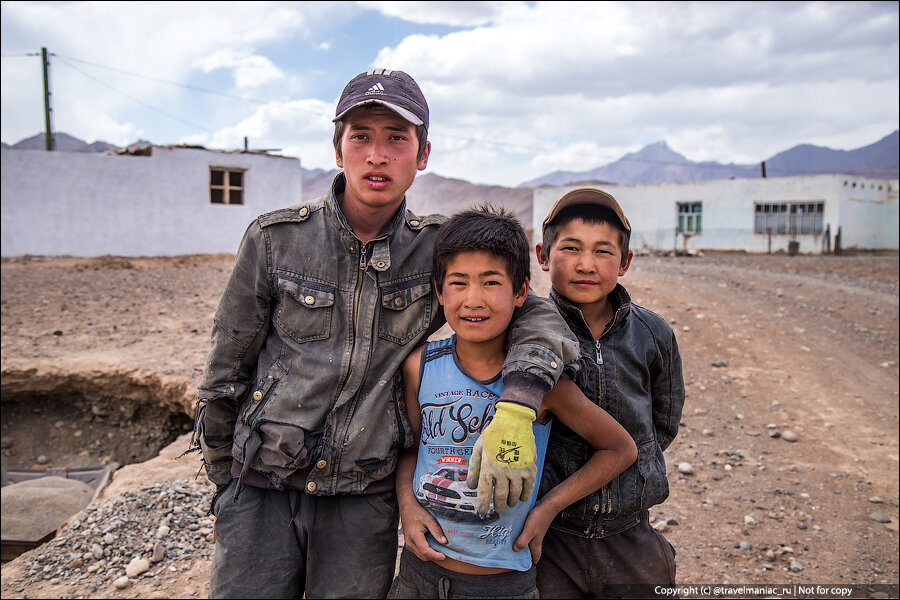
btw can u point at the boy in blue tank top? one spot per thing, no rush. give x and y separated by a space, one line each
454 545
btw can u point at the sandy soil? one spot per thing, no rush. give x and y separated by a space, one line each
771 345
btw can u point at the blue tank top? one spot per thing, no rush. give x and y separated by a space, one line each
455 408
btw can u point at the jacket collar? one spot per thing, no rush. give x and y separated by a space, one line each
336 215
618 297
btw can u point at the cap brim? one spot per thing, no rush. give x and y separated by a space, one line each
397 109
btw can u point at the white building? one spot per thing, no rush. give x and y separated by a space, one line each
167 202
756 215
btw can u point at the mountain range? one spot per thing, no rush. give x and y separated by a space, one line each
655 163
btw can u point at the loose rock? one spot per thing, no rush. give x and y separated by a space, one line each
879 517
137 566
789 436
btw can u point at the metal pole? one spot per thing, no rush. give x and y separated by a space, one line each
48 128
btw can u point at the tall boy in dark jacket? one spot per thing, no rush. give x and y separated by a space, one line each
631 367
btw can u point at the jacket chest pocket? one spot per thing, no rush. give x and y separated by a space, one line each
405 310
304 309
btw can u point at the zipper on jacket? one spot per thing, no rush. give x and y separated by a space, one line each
599 353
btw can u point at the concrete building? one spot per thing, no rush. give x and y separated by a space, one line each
163 201
755 215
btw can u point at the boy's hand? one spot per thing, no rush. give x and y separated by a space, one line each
503 465
534 531
416 523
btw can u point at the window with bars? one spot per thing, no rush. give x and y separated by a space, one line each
226 186
794 218
690 217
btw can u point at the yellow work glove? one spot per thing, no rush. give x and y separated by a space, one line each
503 466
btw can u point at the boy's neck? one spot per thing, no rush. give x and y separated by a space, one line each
597 315
481 360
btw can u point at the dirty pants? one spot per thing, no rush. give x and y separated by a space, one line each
630 564
420 579
282 544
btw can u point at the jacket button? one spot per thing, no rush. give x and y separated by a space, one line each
398 301
552 364
321 464
380 264
257 395
309 300
414 223
311 486
304 211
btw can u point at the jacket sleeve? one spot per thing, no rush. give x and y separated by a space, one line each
238 333
540 346
667 389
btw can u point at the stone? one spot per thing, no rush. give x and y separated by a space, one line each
137 566
879 517
685 468
748 520
159 553
796 567
660 526
34 508
789 436
876 500
121 583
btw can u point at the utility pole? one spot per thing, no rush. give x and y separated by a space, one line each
48 128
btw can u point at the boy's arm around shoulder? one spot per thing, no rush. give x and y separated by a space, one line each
667 386
416 520
614 451
540 345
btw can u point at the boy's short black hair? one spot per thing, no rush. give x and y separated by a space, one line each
591 214
493 229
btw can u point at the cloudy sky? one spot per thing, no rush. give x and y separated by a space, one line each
516 89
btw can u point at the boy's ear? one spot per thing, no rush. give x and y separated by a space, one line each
522 294
624 267
337 158
422 162
437 290
545 266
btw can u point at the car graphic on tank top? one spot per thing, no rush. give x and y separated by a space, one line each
446 490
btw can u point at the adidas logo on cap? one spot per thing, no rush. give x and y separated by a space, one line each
375 89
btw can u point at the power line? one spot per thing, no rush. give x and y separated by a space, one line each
517 147
196 88
132 98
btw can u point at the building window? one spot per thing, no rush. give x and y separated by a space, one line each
690 217
794 218
226 186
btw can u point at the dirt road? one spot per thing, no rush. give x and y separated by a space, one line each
775 348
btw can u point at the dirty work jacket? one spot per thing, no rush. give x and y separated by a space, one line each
302 383
633 371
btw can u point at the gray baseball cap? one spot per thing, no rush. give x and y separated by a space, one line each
587 196
393 89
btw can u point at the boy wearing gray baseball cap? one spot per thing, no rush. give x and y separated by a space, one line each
301 413
603 545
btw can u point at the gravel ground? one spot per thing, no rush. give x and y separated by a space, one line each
785 470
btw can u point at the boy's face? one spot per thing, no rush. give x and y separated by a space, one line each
585 261
378 155
478 296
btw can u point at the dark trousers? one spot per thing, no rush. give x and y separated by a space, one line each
420 579
625 565
282 544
